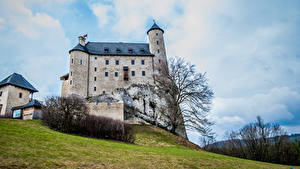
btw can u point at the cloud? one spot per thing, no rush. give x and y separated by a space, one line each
35 46
277 105
2 23
102 12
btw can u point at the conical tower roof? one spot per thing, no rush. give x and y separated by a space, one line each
155 26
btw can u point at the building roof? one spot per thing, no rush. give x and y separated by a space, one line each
118 48
19 81
155 26
33 103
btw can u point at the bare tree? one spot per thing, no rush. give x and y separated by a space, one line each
259 141
187 94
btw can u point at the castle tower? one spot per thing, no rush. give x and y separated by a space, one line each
157 46
78 77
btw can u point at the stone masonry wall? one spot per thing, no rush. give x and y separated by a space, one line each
110 83
156 36
113 110
13 99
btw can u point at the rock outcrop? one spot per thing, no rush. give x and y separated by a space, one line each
142 104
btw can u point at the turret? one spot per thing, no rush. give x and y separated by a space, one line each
157 46
81 40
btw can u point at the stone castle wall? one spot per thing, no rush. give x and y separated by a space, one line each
88 72
10 98
114 110
157 47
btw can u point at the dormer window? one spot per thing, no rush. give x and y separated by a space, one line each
142 51
106 50
130 50
118 50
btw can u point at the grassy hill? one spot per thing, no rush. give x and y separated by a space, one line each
28 144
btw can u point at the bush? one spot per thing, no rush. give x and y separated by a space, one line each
70 115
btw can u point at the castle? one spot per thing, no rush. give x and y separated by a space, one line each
101 67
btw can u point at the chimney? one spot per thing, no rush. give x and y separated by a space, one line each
81 40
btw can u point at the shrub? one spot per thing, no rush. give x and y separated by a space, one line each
70 115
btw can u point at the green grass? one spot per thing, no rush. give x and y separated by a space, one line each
28 144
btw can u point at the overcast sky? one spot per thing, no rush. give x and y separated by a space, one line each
249 49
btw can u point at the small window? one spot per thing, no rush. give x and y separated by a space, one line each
143 73
157 42
117 62
70 82
103 92
81 62
116 74
118 50
106 74
72 60
132 62
159 71
157 50
71 73
142 51
132 73
20 95
106 50
107 62
156 34
95 89
143 62
130 50
95 78
95 58
0 93
158 60
95 69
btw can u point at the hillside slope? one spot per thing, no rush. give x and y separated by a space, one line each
28 144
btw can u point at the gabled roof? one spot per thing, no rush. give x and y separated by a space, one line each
19 81
33 103
118 48
155 26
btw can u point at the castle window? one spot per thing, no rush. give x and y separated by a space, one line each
132 62
125 69
142 51
95 69
95 88
95 78
72 60
20 95
81 62
143 62
157 42
156 34
143 73
107 62
106 50
117 62
130 50
70 82
159 71
0 93
157 50
158 60
95 58
132 73
118 50
116 74
103 92
106 74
